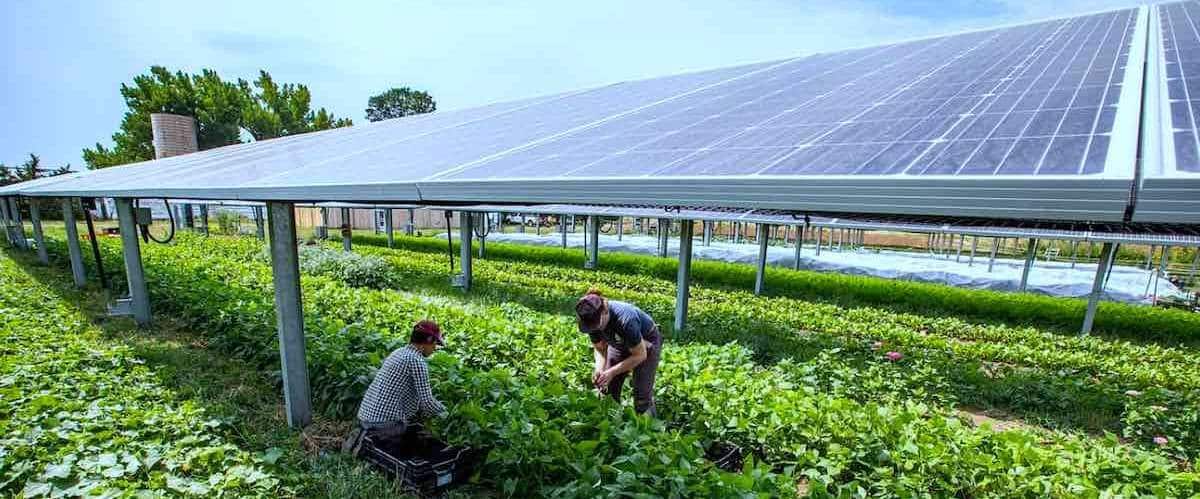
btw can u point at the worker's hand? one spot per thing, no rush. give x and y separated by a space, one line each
596 376
604 378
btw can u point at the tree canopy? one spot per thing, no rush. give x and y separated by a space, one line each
263 108
399 102
29 170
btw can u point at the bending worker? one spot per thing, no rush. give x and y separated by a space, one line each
400 394
624 339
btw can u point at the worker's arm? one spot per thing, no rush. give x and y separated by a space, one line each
428 404
600 353
637 355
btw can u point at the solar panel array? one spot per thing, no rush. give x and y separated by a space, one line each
1181 52
1033 99
1036 121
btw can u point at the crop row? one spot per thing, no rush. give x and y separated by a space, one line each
79 417
837 444
1137 323
1061 380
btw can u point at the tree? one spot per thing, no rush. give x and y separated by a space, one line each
399 102
29 170
221 108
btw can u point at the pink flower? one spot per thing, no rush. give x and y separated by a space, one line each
1160 440
894 356
1133 393
876 345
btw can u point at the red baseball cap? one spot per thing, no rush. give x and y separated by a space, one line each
430 329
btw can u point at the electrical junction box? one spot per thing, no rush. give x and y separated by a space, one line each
142 216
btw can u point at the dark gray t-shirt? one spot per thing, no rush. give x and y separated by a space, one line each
627 326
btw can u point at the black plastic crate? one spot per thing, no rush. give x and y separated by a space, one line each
422 464
726 456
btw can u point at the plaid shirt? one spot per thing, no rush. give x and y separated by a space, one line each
400 390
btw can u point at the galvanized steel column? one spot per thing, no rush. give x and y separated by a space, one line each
410 229
760 276
820 232
799 246
321 230
992 259
7 221
465 233
259 222
958 254
974 246
347 230
289 313
1074 253
1030 258
35 217
387 222
664 232
204 218
1106 259
707 231
620 228
593 244
132 251
73 250
562 227
14 211
684 276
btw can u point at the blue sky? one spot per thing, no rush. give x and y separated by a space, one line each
64 61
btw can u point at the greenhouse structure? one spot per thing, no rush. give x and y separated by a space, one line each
1081 128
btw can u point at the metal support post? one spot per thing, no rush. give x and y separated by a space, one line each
5 219
411 227
820 232
465 232
664 231
14 210
974 246
1150 256
204 219
73 250
259 223
347 230
35 217
139 300
1030 258
1195 264
620 228
707 232
562 226
992 258
289 313
593 243
1106 259
322 230
387 227
1074 253
188 221
1162 269
684 275
761 275
958 255
799 246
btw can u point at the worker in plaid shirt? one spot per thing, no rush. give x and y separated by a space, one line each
400 394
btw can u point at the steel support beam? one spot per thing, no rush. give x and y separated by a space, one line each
1162 269
188 221
411 227
14 211
322 231
466 232
1030 258
958 254
74 252
259 223
761 275
799 246
289 313
593 243
1106 259
388 229
974 246
620 228
664 232
35 217
820 232
347 230
132 251
7 221
707 232
992 258
1074 253
684 276
204 219
562 227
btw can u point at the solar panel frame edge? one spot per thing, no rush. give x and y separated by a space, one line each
1123 143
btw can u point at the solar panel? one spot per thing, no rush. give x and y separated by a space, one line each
1170 189
1033 99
